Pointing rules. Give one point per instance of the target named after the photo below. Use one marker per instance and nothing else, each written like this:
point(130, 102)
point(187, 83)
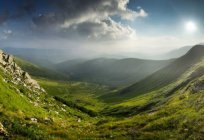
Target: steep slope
point(15, 74)
point(174, 111)
point(163, 77)
point(178, 115)
point(113, 72)
point(28, 112)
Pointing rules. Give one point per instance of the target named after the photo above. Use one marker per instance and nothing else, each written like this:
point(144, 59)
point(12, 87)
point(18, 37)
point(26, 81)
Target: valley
point(101, 70)
point(83, 110)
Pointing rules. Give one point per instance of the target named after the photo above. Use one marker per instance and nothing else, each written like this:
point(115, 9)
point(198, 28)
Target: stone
point(9, 59)
point(3, 131)
point(34, 120)
point(79, 120)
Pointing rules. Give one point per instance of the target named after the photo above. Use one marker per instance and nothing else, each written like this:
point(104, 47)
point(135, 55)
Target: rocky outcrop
point(16, 74)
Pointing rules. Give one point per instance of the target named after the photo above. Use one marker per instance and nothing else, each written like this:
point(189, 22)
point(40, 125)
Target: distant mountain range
point(48, 57)
point(113, 72)
point(108, 71)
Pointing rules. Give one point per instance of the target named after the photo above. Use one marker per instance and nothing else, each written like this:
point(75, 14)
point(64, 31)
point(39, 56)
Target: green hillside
point(112, 72)
point(163, 77)
point(167, 113)
point(27, 112)
point(76, 110)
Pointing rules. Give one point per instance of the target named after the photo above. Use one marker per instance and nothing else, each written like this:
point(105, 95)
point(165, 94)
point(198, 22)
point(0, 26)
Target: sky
point(102, 27)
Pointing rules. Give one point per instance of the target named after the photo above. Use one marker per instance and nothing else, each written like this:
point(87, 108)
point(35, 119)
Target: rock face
point(18, 76)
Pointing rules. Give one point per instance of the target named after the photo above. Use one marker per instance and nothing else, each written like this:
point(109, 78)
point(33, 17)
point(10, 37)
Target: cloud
point(87, 19)
point(78, 11)
point(91, 18)
point(102, 30)
point(6, 34)
point(21, 9)
point(4, 16)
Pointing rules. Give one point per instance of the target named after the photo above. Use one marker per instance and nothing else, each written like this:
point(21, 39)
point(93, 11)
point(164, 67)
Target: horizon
point(60, 55)
point(117, 28)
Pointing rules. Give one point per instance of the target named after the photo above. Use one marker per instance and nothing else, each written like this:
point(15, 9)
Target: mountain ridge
point(165, 76)
point(113, 72)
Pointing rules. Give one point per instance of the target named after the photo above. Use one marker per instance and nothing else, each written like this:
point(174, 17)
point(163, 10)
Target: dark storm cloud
point(26, 8)
point(87, 18)
point(4, 16)
point(15, 9)
point(48, 20)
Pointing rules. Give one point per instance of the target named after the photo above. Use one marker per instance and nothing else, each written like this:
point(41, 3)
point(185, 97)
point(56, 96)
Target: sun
point(191, 26)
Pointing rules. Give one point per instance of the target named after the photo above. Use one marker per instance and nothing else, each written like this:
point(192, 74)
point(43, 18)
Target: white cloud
point(92, 19)
point(6, 34)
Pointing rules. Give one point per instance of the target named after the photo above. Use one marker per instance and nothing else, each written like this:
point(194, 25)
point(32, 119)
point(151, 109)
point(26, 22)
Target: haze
point(102, 28)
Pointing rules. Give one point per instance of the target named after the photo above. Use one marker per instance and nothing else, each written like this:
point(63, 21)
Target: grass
point(174, 111)
point(173, 119)
point(175, 116)
point(82, 94)
point(17, 109)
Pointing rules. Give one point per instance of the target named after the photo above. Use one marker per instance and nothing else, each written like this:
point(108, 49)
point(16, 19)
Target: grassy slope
point(17, 109)
point(168, 113)
point(161, 78)
point(157, 115)
point(174, 111)
point(79, 93)
point(178, 116)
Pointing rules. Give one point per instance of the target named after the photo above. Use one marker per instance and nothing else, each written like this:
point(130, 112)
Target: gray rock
point(8, 64)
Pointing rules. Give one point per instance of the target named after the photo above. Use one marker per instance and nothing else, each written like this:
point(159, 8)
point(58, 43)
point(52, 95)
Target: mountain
point(113, 72)
point(163, 77)
point(56, 109)
point(168, 113)
point(168, 107)
point(29, 112)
